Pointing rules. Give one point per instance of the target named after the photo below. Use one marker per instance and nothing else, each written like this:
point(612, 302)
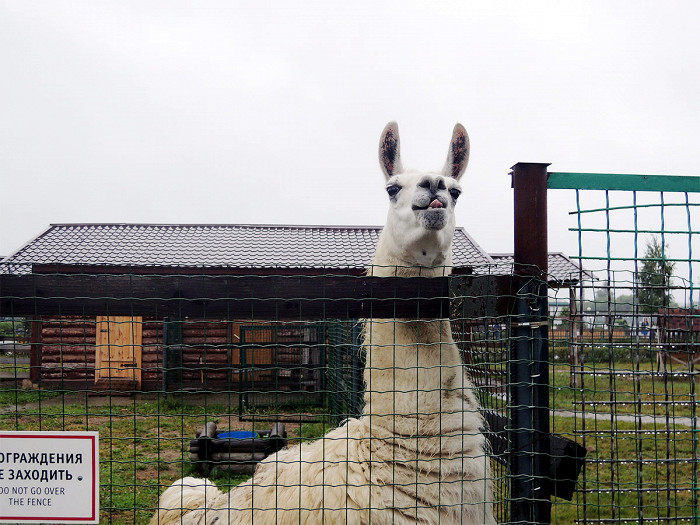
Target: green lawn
point(144, 444)
point(11, 397)
point(629, 391)
point(624, 460)
point(14, 368)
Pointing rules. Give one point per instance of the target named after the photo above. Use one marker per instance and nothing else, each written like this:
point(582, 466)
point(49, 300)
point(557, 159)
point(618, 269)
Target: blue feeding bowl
point(236, 434)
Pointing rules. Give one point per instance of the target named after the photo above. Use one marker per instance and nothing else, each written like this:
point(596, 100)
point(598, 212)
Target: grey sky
point(270, 112)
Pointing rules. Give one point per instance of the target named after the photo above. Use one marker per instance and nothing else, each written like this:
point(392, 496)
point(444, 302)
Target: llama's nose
point(432, 185)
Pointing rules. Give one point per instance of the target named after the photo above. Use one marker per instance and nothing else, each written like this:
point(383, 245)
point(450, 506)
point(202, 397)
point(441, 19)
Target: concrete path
point(629, 418)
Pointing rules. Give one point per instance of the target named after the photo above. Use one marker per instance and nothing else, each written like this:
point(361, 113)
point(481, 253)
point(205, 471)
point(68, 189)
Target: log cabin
point(123, 349)
point(137, 352)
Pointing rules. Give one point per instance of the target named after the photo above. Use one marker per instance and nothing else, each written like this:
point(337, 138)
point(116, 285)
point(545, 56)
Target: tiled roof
point(561, 269)
point(230, 246)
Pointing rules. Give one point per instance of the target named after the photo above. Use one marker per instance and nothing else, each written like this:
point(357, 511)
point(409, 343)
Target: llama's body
point(416, 454)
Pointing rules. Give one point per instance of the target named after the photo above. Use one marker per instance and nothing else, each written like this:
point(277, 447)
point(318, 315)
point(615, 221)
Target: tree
point(654, 277)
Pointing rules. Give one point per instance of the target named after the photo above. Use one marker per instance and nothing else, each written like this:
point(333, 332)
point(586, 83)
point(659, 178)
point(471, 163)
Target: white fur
point(416, 455)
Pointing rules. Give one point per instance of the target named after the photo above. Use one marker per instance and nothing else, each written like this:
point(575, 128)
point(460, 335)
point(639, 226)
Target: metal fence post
point(358, 364)
point(528, 386)
point(164, 349)
point(172, 354)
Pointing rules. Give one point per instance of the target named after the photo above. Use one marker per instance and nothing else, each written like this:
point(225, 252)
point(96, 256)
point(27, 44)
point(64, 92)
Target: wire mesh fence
point(168, 395)
point(625, 349)
point(202, 373)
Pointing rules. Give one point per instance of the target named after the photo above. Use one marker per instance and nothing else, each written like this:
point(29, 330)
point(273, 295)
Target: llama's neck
point(421, 253)
point(413, 366)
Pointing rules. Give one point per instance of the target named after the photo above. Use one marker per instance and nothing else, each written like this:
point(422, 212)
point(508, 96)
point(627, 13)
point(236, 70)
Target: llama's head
point(420, 224)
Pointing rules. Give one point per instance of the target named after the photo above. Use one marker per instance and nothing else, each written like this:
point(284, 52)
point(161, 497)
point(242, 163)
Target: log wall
point(64, 350)
point(206, 354)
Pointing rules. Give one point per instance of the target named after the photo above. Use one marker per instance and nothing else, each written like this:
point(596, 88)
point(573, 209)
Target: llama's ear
point(389, 155)
point(458, 154)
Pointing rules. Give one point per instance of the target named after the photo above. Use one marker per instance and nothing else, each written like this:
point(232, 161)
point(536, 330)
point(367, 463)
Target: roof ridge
point(477, 246)
point(27, 244)
point(216, 225)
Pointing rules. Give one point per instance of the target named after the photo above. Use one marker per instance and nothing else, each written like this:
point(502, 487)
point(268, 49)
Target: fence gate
point(282, 364)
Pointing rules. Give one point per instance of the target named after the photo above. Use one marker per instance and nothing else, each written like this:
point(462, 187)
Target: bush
point(14, 329)
point(600, 353)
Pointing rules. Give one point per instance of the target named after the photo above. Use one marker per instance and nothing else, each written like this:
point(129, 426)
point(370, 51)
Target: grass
point(630, 471)
point(11, 397)
point(144, 445)
point(14, 368)
point(140, 451)
point(618, 464)
point(630, 391)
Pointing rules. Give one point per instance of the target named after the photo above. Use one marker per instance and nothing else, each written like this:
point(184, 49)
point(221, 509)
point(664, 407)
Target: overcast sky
point(270, 112)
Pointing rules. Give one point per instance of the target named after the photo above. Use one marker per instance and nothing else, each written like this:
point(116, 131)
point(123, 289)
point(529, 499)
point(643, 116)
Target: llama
point(417, 452)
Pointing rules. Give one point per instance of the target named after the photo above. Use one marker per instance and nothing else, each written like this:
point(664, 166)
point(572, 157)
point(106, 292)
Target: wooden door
point(118, 349)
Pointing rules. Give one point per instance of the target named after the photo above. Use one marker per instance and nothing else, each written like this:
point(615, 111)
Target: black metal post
point(164, 349)
point(172, 354)
point(358, 364)
point(528, 386)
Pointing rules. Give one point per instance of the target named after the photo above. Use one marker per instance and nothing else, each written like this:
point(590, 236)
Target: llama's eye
point(454, 192)
point(393, 190)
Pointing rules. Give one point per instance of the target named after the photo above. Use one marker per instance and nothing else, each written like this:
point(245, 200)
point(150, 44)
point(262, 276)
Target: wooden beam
point(298, 297)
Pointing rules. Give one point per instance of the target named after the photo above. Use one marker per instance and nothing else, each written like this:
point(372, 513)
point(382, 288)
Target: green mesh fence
point(625, 348)
point(199, 373)
point(184, 386)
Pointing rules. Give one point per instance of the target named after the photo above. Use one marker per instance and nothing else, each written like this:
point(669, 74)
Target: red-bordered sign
point(46, 477)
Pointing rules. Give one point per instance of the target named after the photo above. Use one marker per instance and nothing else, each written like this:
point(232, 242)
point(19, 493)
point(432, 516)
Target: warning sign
point(49, 477)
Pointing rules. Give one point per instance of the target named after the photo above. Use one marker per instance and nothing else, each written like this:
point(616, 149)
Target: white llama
point(416, 455)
